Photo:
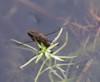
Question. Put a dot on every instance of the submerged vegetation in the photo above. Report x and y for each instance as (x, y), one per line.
(49, 58)
(73, 66)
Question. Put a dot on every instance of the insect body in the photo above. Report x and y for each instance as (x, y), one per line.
(40, 37)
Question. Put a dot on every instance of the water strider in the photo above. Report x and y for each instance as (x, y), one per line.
(40, 37)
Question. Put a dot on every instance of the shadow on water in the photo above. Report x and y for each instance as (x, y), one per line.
(18, 16)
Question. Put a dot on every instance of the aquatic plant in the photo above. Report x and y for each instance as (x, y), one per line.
(48, 57)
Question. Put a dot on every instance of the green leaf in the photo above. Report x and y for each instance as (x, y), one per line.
(28, 62)
(69, 57)
(56, 57)
(52, 45)
(39, 57)
(21, 43)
